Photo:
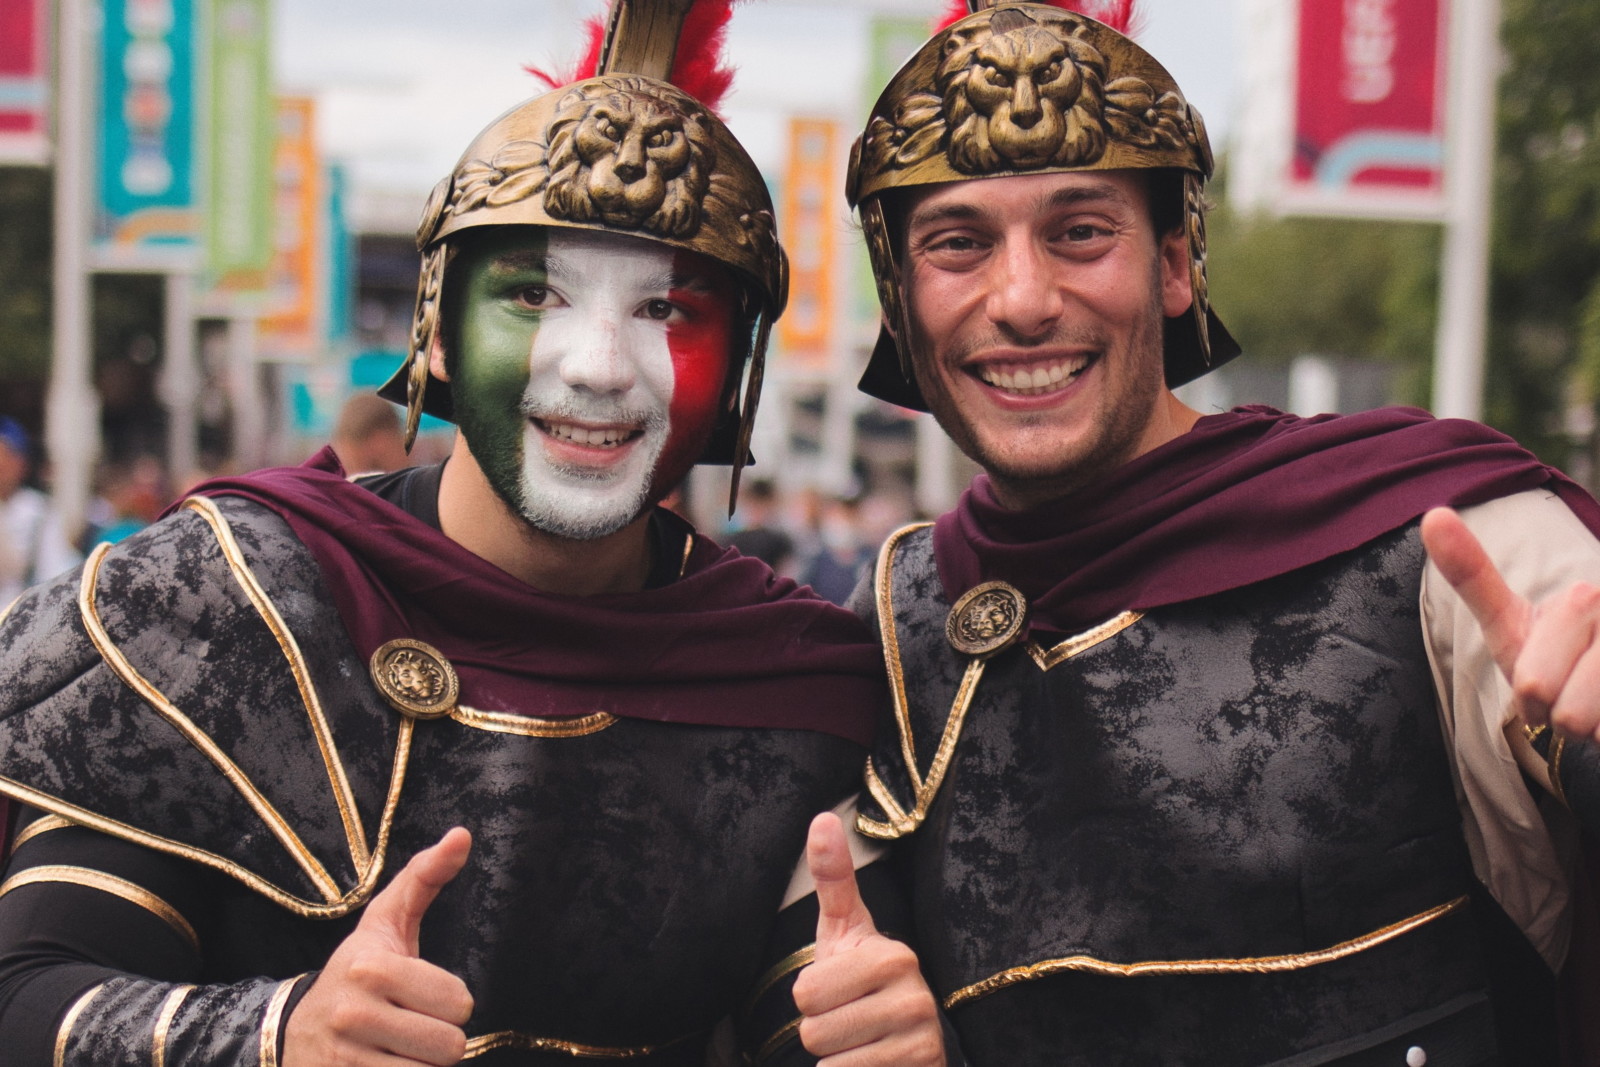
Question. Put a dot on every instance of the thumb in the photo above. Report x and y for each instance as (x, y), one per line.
(1503, 615)
(396, 913)
(843, 921)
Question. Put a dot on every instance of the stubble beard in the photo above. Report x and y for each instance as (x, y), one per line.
(1114, 439)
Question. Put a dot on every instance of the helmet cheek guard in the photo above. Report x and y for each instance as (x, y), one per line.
(1022, 88)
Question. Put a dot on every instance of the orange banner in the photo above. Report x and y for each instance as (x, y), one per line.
(813, 210)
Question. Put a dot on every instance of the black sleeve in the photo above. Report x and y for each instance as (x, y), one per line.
(1574, 775)
(115, 934)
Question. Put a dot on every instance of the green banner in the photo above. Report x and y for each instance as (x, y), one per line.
(240, 138)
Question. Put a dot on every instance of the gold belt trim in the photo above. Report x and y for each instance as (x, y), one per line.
(136, 895)
(773, 1043)
(502, 723)
(788, 965)
(1249, 965)
(68, 1021)
(477, 1046)
(39, 826)
(168, 1012)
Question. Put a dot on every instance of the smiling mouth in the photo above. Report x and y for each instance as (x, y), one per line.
(1033, 379)
(588, 436)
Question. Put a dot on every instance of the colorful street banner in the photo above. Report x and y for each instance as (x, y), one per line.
(1369, 113)
(146, 205)
(813, 210)
(240, 145)
(289, 326)
(339, 257)
(24, 81)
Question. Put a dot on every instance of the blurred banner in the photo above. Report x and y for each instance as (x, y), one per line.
(813, 210)
(339, 256)
(1369, 113)
(24, 81)
(289, 329)
(240, 135)
(146, 214)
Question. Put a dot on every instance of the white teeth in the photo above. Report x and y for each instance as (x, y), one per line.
(1038, 379)
(609, 437)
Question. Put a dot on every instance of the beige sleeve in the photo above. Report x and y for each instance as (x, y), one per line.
(1519, 847)
(863, 850)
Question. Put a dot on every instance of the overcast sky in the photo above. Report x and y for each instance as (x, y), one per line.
(403, 85)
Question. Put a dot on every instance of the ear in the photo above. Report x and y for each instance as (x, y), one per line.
(436, 358)
(1177, 287)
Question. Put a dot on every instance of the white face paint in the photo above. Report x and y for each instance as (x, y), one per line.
(588, 318)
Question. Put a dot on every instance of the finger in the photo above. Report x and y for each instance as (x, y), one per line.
(1576, 712)
(408, 1037)
(1561, 632)
(842, 919)
(1502, 614)
(396, 913)
(874, 973)
(414, 985)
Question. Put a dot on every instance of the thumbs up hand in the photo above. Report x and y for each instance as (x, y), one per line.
(376, 1001)
(864, 998)
(1549, 652)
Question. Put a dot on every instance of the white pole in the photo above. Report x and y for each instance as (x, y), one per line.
(72, 409)
(180, 379)
(1464, 282)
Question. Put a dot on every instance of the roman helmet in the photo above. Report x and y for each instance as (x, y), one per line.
(1026, 88)
(631, 146)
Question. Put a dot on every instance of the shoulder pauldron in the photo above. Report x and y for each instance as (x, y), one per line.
(161, 695)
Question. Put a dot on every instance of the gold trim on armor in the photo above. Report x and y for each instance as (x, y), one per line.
(415, 678)
(131, 677)
(778, 971)
(284, 899)
(39, 826)
(528, 726)
(1072, 646)
(1558, 747)
(343, 794)
(90, 878)
(688, 550)
(477, 1046)
(68, 1021)
(1248, 965)
(164, 1017)
(775, 1042)
(272, 1022)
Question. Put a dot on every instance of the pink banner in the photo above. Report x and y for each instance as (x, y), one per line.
(24, 81)
(1369, 103)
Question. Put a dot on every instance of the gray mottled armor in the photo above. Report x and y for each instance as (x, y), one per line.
(624, 873)
(1223, 831)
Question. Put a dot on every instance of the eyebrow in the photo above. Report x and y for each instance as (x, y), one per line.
(556, 268)
(1097, 192)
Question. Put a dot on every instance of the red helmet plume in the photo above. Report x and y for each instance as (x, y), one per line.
(698, 68)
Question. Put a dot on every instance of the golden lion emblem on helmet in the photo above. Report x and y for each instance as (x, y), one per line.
(624, 153)
(1018, 94)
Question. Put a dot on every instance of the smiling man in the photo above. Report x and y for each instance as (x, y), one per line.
(1195, 755)
(240, 746)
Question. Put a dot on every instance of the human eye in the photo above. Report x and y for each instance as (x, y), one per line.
(535, 296)
(660, 310)
(951, 249)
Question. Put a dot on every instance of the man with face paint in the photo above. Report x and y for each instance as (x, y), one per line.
(240, 748)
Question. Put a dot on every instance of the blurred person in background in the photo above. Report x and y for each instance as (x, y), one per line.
(369, 436)
(491, 759)
(33, 544)
(758, 533)
(842, 556)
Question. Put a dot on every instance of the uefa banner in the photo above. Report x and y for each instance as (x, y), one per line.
(1369, 112)
(240, 135)
(290, 325)
(24, 81)
(813, 210)
(146, 215)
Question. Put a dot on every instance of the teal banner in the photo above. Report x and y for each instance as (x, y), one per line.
(147, 195)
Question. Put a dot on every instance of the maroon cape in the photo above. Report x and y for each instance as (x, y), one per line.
(1245, 495)
(728, 644)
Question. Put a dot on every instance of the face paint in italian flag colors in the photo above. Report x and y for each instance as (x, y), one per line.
(589, 370)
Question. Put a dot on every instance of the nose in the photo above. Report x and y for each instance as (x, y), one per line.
(598, 361)
(1025, 298)
(1025, 108)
